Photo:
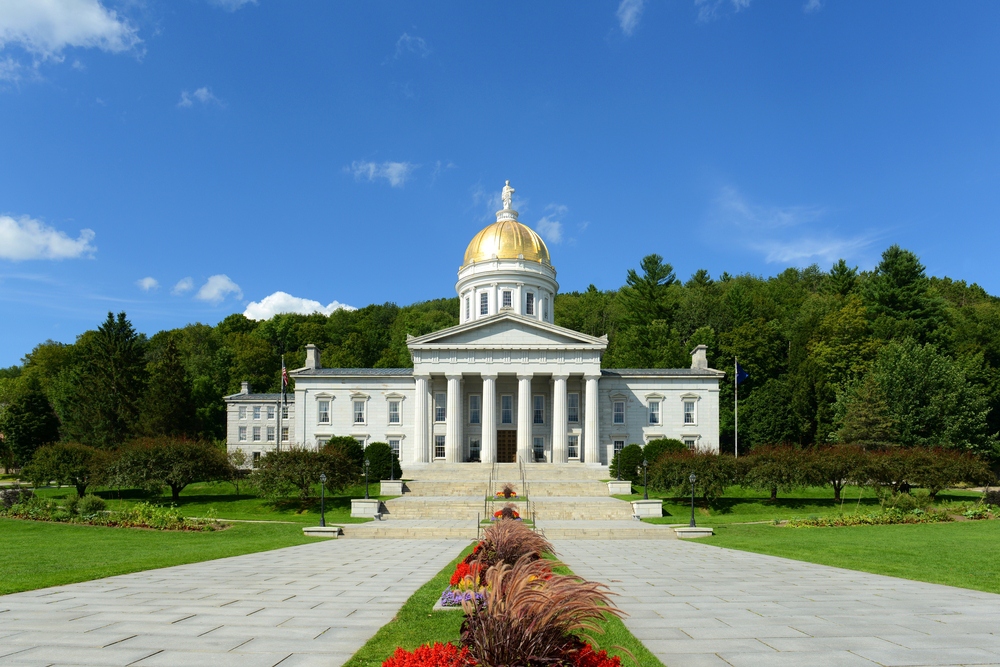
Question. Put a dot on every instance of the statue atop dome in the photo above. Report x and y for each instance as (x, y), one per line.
(507, 196)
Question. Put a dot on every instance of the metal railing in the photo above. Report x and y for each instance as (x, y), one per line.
(529, 504)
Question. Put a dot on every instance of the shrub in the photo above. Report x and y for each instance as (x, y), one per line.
(14, 496)
(992, 498)
(776, 468)
(382, 462)
(838, 466)
(713, 473)
(153, 463)
(68, 463)
(937, 469)
(630, 459)
(654, 449)
(280, 474)
(90, 505)
(507, 542)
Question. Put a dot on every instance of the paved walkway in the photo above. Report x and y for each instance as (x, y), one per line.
(314, 604)
(697, 605)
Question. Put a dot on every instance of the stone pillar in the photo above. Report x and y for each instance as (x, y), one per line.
(489, 419)
(452, 446)
(420, 426)
(524, 417)
(559, 419)
(591, 436)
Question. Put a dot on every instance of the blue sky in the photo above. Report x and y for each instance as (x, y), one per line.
(186, 159)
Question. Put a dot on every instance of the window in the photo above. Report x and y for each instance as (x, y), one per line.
(538, 447)
(508, 298)
(545, 308)
(468, 307)
(321, 442)
(618, 414)
(538, 410)
(474, 403)
(270, 412)
(573, 449)
(619, 445)
(690, 443)
(256, 433)
(654, 412)
(284, 434)
(359, 412)
(256, 412)
(394, 412)
(270, 434)
(243, 434)
(243, 412)
(324, 412)
(475, 449)
(361, 441)
(507, 409)
(284, 412)
(440, 407)
(394, 446)
(573, 407)
(688, 412)
(439, 446)
(256, 459)
(484, 303)
(529, 304)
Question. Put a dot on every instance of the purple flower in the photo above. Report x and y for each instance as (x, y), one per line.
(452, 598)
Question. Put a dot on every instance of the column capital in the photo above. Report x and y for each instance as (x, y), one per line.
(525, 376)
(591, 376)
(422, 376)
(453, 376)
(560, 376)
(489, 376)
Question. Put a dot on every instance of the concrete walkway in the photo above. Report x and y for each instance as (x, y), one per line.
(314, 604)
(696, 605)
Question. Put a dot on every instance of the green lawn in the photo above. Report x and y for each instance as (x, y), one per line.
(204, 499)
(957, 554)
(741, 505)
(416, 624)
(36, 554)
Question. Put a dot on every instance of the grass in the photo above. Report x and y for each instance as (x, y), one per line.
(741, 505)
(416, 624)
(36, 554)
(956, 554)
(220, 499)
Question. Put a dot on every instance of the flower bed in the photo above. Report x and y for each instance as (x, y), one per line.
(881, 518)
(506, 512)
(89, 510)
(449, 655)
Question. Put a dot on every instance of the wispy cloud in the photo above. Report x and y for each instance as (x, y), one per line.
(549, 226)
(735, 208)
(411, 44)
(629, 12)
(807, 250)
(812, 6)
(148, 284)
(183, 286)
(709, 10)
(283, 302)
(396, 173)
(232, 5)
(203, 95)
(26, 238)
(217, 288)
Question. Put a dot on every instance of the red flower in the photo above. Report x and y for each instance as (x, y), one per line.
(588, 658)
(461, 570)
(438, 655)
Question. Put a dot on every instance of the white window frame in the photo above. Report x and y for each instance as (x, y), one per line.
(691, 442)
(507, 413)
(284, 411)
(537, 447)
(538, 411)
(242, 411)
(284, 433)
(529, 303)
(475, 448)
(256, 413)
(545, 309)
(692, 400)
(573, 446)
(468, 307)
(358, 411)
(255, 457)
(573, 407)
(506, 298)
(394, 445)
(615, 413)
(617, 445)
(398, 413)
(242, 434)
(655, 408)
(361, 440)
(270, 434)
(475, 408)
(484, 303)
(271, 413)
(439, 447)
(320, 412)
(255, 434)
(440, 407)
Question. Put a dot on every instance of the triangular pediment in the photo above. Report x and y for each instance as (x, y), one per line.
(508, 332)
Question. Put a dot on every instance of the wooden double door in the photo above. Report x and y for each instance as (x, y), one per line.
(506, 446)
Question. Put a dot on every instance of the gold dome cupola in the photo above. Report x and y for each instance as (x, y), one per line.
(507, 238)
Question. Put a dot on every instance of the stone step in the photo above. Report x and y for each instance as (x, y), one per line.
(435, 507)
(407, 529)
(604, 530)
(582, 509)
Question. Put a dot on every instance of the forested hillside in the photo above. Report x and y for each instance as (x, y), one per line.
(890, 356)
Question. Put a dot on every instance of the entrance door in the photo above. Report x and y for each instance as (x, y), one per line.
(506, 446)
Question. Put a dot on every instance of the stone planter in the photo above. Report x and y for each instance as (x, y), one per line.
(365, 509)
(622, 488)
(645, 509)
(322, 531)
(686, 532)
(391, 487)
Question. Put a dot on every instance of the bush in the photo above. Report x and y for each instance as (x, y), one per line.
(838, 466)
(383, 462)
(15, 496)
(630, 459)
(90, 505)
(280, 474)
(713, 473)
(654, 449)
(68, 463)
(153, 463)
(776, 468)
(992, 498)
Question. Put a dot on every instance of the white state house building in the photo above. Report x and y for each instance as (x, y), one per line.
(506, 384)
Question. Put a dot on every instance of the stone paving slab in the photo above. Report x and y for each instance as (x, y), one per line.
(314, 604)
(697, 605)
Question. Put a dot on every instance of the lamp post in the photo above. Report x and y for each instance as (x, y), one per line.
(692, 479)
(618, 465)
(322, 499)
(367, 465)
(645, 480)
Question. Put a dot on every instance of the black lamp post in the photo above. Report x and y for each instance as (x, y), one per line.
(645, 480)
(392, 465)
(322, 499)
(692, 479)
(367, 465)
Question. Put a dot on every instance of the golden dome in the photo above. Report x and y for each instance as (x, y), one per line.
(507, 239)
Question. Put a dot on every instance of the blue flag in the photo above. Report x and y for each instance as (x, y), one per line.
(741, 375)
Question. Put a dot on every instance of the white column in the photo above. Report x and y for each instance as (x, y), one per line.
(453, 419)
(559, 419)
(524, 417)
(590, 432)
(489, 419)
(420, 419)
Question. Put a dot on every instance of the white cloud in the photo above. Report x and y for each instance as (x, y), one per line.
(231, 5)
(812, 6)
(412, 44)
(732, 207)
(26, 238)
(148, 284)
(397, 173)
(549, 227)
(44, 28)
(183, 286)
(808, 250)
(203, 95)
(709, 10)
(629, 12)
(217, 288)
(283, 302)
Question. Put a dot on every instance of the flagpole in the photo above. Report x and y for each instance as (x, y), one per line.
(736, 408)
(282, 401)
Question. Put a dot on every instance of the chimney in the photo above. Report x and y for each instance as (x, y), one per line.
(699, 357)
(244, 387)
(312, 357)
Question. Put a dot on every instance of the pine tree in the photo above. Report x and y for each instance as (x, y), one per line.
(842, 278)
(898, 296)
(28, 422)
(648, 297)
(167, 407)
